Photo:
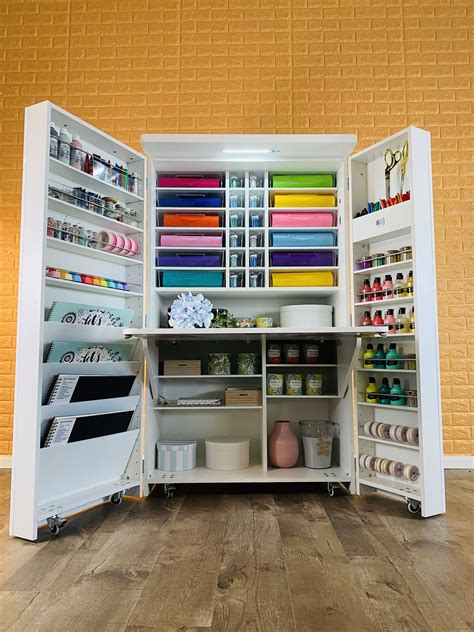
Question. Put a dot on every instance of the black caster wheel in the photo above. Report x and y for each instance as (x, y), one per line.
(169, 491)
(332, 489)
(414, 507)
(56, 525)
(116, 499)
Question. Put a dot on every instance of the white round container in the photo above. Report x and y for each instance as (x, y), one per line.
(306, 316)
(225, 453)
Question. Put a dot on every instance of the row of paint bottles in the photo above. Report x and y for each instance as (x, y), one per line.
(65, 149)
(394, 396)
(381, 360)
(402, 324)
(388, 290)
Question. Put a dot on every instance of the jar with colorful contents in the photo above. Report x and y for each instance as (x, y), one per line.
(274, 354)
(291, 354)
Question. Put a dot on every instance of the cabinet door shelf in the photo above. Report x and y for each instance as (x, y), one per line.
(410, 409)
(206, 377)
(93, 253)
(393, 444)
(387, 301)
(88, 287)
(389, 267)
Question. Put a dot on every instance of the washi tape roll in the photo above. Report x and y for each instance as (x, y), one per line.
(412, 436)
(411, 472)
(392, 433)
(371, 463)
(385, 430)
(398, 469)
(362, 460)
(398, 433)
(403, 433)
(367, 428)
(391, 468)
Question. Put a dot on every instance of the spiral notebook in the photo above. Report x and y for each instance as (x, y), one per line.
(82, 388)
(64, 430)
(95, 315)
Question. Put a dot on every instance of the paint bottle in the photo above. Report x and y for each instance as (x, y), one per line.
(390, 321)
(397, 394)
(53, 141)
(399, 286)
(401, 324)
(380, 362)
(384, 392)
(64, 150)
(366, 292)
(371, 392)
(366, 321)
(378, 320)
(411, 321)
(369, 356)
(410, 288)
(76, 155)
(377, 293)
(393, 358)
(387, 287)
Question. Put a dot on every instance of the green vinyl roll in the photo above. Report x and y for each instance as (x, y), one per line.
(304, 180)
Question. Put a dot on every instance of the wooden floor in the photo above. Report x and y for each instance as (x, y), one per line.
(293, 561)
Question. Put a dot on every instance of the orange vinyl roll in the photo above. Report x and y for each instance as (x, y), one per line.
(202, 221)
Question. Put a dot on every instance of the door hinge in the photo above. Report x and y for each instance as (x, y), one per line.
(347, 183)
(143, 466)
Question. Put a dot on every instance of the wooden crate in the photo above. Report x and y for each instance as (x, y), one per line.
(182, 367)
(242, 397)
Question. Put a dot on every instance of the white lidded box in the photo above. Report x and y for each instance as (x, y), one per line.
(306, 316)
(226, 453)
(176, 456)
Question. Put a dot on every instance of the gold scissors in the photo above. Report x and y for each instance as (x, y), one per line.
(392, 158)
(404, 165)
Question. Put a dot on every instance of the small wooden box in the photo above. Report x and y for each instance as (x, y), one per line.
(241, 397)
(182, 367)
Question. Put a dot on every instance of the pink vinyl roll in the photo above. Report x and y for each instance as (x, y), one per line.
(107, 240)
(127, 246)
(119, 244)
(134, 248)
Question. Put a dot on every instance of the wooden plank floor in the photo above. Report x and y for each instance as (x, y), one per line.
(258, 560)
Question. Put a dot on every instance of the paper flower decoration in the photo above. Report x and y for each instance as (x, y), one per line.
(188, 311)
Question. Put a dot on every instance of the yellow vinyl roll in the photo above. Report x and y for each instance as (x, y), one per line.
(297, 200)
(302, 279)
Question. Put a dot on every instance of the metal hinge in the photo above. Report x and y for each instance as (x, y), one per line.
(143, 466)
(347, 182)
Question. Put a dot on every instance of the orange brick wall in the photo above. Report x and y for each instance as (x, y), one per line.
(369, 67)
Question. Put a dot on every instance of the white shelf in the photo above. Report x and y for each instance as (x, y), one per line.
(393, 444)
(192, 249)
(252, 474)
(93, 253)
(204, 377)
(191, 190)
(400, 488)
(247, 292)
(411, 409)
(303, 366)
(387, 301)
(386, 370)
(302, 190)
(386, 336)
(84, 179)
(220, 408)
(303, 268)
(327, 229)
(196, 268)
(400, 265)
(310, 248)
(191, 229)
(85, 287)
(71, 210)
(303, 397)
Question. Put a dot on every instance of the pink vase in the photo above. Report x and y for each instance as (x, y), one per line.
(283, 445)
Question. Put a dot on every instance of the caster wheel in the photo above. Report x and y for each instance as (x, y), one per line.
(169, 491)
(332, 489)
(116, 499)
(414, 507)
(55, 529)
(56, 525)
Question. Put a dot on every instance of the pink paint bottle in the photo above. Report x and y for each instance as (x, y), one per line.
(377, 291)
(388, 287)
(390, 321)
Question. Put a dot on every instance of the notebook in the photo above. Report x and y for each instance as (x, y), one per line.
(89, 352)
(64, 430)
(80, 314)
(81, 388)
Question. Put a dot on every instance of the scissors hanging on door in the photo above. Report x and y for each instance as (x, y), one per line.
(404, 165)
(392, 158)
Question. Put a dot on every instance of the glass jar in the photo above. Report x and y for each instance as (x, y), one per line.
(364, 263)
(310, 353)
(406, 253)
(274, 354)
(291, 353)
(392, 256)
(378, 260)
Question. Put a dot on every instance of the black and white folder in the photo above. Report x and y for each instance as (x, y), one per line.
(68, 389)
(64, 430)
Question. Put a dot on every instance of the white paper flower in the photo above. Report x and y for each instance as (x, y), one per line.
(188, 311)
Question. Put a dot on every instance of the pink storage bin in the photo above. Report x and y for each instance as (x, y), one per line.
(297, 220)
(189, 181)
(192, 241)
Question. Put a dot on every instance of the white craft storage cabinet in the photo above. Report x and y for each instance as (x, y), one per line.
(51, 483)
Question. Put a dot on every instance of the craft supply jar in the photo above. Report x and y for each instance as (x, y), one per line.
(274, 354)
(218, 364)
(378, 260)
(410, 361)
(291, 354)
(274, 383)
(392, 256)
(310, 353)
(406, 253)
(294, 384)
(314, 384)
(411, 398)
(364, 263)
(248, 363)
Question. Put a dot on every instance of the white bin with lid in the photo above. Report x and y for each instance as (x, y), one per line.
(227, 453)
(306, 316)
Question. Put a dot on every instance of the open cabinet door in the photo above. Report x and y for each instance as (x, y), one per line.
(77, 426)
(399, 445)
